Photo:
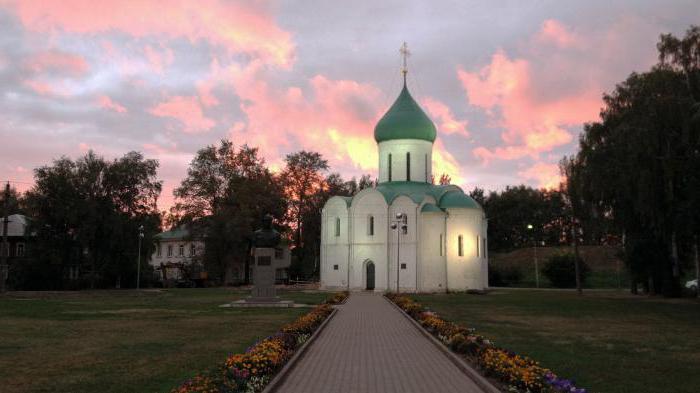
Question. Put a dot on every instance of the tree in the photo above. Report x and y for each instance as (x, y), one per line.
(15, 201)
(639, 164)
(513, 209)
(445, 179)
(305, 189)
(86, 214)
(223, 198)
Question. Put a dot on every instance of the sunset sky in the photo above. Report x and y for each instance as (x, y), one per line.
(509, 84)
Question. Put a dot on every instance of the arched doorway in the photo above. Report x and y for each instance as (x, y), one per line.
(370, 275)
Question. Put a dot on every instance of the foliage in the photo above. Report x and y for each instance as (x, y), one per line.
(640, 164)
(504, 276)
(304, 186)
(252, 370)
(15, 201)
(86, 216)
(517, 373)
(226, 193)
(561, 270)
(511, 211)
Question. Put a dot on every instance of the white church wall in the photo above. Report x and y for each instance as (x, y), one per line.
(408, 246)
(421, 155)
(465, 271)
(335, 249)
(432, 264)
(368, 244)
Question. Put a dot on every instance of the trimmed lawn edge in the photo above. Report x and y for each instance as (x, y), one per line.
(458, 361)
(284, 372)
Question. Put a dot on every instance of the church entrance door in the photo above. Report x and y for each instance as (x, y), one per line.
(370, 276)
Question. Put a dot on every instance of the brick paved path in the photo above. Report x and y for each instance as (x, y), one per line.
(370, 347)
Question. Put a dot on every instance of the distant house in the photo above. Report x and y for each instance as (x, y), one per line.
(179, 255)
(17, 237)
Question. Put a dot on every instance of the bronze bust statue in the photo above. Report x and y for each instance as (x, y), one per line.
(267, 237)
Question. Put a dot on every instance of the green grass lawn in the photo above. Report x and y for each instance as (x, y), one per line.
(126, 341)
(607, 341)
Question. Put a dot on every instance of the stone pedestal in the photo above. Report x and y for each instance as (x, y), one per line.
(264, 274)
(263, 293)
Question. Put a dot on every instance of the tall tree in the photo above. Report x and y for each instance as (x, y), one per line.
(226, 193)
(639, 163)
(305, 189)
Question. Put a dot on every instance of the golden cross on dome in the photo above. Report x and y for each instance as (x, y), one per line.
(404, 53)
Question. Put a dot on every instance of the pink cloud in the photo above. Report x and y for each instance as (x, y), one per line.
(40, 87)
(553, 31)
(107, 103)
(158, 58)
(241, 27)
(187, 110)
(446, 122)
(57, 62)
(336, 116)
(554, 84)
(506, 90)
(546, 175)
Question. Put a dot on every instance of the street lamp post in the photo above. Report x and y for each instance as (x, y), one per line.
(534, 247)
(138, 259)
(402, 223)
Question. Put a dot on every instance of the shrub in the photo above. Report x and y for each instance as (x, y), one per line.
(561, 270)
(504, 276)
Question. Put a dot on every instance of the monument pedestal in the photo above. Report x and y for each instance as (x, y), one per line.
(263, 293)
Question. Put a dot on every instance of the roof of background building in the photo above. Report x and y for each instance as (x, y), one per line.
(405, 120)
(178, 233)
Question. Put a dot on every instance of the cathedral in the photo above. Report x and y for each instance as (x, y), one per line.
(406, 232)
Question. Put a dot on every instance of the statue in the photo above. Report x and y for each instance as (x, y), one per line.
(267, 237)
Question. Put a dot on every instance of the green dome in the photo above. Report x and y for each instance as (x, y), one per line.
(405, 120)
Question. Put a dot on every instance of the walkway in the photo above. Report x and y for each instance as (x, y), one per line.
(370, 347)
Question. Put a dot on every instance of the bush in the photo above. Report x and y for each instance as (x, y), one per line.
(504, 276)
(561, 270)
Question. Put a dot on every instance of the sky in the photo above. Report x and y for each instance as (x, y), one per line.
(509, 84)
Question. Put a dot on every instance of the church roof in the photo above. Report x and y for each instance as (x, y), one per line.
(447, 196)
(454, 199)
(405, 120)
(430, 208)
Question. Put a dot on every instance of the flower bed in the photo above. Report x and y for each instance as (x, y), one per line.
(517, 373)
(252, 370)
(338, 298)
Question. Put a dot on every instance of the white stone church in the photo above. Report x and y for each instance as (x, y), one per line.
(425, 237)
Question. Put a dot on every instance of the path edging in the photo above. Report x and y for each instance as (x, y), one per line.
(284, 372)
(461, 364)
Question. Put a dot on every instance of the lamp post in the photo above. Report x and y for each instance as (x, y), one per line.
(138, 259)
(530, 227)
(402, 223)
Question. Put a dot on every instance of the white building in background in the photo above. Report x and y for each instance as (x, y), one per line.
(175, 251)
(179, 255)
(444, 244)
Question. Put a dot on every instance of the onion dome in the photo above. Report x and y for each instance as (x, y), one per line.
(405, 120)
